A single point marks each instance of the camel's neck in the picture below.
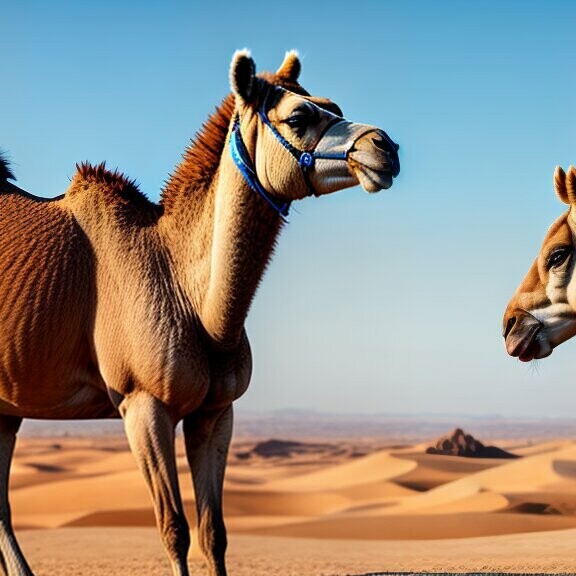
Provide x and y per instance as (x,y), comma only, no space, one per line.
(225,237)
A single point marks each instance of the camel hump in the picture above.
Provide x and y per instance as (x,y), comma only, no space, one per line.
(5,172)
(94,185)
(112,180)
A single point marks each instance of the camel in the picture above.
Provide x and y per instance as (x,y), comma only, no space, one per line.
(542,312)
(113,306)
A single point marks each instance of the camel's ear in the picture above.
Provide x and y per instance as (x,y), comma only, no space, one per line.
(560,184)
(242,75)
(565,185)
(571,185)
(291,67)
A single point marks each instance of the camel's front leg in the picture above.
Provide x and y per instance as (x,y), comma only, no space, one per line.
(207,437)
(13,560)
(150,432)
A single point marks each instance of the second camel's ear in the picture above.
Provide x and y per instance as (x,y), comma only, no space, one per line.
(565,185)
(291,67)
(242,75)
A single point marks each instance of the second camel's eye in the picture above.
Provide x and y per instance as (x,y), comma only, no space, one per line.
(557,257)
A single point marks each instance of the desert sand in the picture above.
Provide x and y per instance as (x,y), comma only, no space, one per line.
(80,507)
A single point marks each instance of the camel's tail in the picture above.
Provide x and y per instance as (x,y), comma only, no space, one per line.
(5,172)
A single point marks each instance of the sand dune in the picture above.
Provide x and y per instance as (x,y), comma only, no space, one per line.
(372,468)
(401,495)
(418,527)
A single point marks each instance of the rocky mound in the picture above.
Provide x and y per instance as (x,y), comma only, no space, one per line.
(284,449)
(458,443)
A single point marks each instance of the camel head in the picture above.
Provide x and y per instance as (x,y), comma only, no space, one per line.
(542,312)
(293,145)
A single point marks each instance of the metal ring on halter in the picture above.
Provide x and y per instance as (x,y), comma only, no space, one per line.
(306,160)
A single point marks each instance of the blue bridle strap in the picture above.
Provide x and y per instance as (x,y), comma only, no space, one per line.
(305,160)
(244,163)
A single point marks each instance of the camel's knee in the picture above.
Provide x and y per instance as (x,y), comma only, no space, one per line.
(176,536)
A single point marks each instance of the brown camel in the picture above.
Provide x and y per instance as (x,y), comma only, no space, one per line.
(113,306)
(542,313)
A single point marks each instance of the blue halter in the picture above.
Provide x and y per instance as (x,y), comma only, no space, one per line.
(304,158)
(247,169)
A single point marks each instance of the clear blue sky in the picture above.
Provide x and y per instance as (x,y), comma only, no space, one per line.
(386,303)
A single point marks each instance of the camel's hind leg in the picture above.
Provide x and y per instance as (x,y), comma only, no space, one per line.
(12,558)
(150,432)
(207,437)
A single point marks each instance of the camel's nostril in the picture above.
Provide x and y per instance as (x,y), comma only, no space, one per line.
(509,326)
(380,143)
(384,142)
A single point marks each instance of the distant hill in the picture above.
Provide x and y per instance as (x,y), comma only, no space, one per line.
(458,443)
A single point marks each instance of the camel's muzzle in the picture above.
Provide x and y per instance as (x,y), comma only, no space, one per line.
(520,331)
(374,160)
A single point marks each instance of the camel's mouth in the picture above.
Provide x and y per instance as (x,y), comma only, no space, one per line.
(374,161)
(529,347)
(373,180)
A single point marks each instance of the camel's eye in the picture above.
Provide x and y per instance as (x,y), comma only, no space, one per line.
(301,118)
(298,121)
(558,256)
